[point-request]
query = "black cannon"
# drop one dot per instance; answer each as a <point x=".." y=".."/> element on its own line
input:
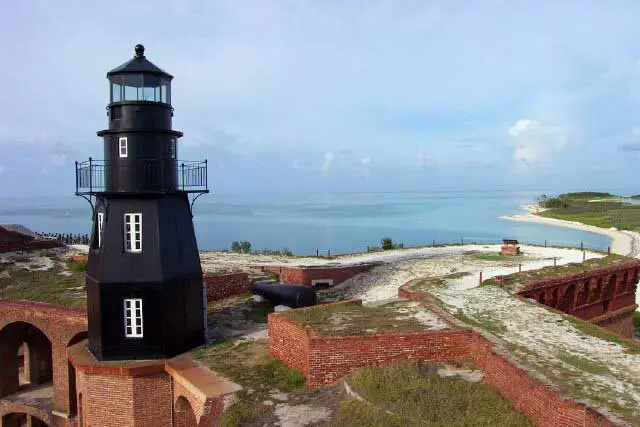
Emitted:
<point x="294" y="296"/>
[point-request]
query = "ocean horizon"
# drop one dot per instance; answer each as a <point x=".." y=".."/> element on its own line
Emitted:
<point x="336" y="222"/>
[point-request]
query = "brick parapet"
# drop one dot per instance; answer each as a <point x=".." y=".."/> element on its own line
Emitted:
<point x="226" y="285"/>
<point x="302" y="275"/>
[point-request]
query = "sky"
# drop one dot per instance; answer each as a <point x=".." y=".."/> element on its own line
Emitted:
<point x="334" y="96"/>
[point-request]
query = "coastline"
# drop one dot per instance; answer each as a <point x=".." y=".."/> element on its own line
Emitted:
<point x="623" y="242"/>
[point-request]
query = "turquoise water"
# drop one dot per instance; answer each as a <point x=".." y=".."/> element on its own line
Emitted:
<point x="339" y="222"/>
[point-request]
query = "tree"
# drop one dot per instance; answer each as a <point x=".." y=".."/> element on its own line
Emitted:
<point x="235" y="247"/>
<point x="245" y="247"/>
<point x="386" y="243"/>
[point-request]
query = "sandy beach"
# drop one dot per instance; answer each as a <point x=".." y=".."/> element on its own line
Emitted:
<point x="624" y="242"/>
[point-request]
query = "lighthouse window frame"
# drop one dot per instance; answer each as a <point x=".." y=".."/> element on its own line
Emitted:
<point x="133" y="232"/>
<point x="133" y="326"/>
<point x="123" y="147"/>
<point x="100" y="222"/>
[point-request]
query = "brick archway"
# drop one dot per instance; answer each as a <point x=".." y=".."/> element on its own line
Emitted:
<point x="183" y="415"/>
<point x="13" y="412"/>
<point x="60" y="326"/>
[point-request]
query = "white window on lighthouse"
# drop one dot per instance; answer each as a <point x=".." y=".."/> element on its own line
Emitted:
<point x="122" y="146"/>
<point x="133" y="318"/>
<point x="173" y="148"/>
<point x="100" y="227"/>
<point x="133" y="232"/>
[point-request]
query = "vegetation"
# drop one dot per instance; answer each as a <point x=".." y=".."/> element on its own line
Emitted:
<point x="351" y="318"/>
<point x="241" y="247"/>
<point x="512" y="281"/>
<point x="427" y="283"/>
<point x="77" y="266"/>
<point x="386" y="243"/>
<point x="408" y="394"/>
<point x="248" y="364"/>
<point x="599" y="209"/>
<point x="55" y="285"/>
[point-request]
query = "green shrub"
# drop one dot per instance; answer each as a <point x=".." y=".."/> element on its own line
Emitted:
<point x="386" y="243"/>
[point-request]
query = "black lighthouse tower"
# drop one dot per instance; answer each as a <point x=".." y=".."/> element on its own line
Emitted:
<point x="144" y="279"/>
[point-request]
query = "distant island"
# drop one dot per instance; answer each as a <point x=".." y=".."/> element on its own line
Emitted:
<point x="603" y="210"/>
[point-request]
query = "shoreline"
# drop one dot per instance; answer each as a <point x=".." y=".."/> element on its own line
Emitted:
<point x="624" y="242"/>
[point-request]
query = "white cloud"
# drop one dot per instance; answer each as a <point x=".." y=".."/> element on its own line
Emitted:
<point x="328" y="160"/>
<point x="535" y="142"/>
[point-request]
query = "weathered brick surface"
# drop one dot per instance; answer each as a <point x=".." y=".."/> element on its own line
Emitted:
<point x="306" y="275"/>
<point x="61" y="326"/>
<point x="225" y="285"/>
<point x="593" y="295"/>
<point x="11" y="241"/>
<point x="544" y="406"/>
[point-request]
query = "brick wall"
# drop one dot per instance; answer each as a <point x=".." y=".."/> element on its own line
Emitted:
<point x="10" y="241"/>
<point x="597" y="295"/>
<point x="61" y="326"/>
<point x="544" y="406"/>
<point x="324" y="360"/>
<point x="306" y="275"/>
<point x="225" y="285"/>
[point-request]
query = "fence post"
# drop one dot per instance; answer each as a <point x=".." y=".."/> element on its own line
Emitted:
<point x="329" y="252"/>
<point x="519" y="268"/>
<point x="433" y="243"/>
<point x="501" y="281"/>
<point x="462" y="241"/>
<point x="480" y="281"/>
<point x="317" y="252"/>
<point x="554" y="261"/>
<point x="182" y="173"/>
<point x="608" y="250"/>
<point x="584" y="255"/>
<point x="90" y="175"/>
<point x="545" y="243"/>
<point x="581" y="246"/>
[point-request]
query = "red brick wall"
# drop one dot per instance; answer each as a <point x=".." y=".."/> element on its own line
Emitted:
<point x="60" y="325"/>
<point x="593" y="295"/>
<point x="306" y="275"/>
<point x="542" y="405"/>
<point x="226" y="285"/>
<point x="11" y="241"/>
<point x="324" y="360"/>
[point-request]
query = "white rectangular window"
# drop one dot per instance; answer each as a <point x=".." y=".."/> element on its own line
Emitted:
<point x="133" y="232"/>
<point x="173" y="148"/>
<point x="122" y="145"/>
<point x="133" y="318"/>
<point x="100" y="227"/>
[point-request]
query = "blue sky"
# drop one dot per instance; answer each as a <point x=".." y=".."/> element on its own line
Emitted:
<point x="324" y="96"/>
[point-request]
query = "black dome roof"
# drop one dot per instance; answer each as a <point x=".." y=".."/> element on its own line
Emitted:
<point x="139" y="64"/>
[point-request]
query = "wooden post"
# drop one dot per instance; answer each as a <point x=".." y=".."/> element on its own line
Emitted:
<point x="581" y="246"/>
<point x="519" y="268"/>
<point x="462" y="241"/>
<point x="317" y="252"/>
<point x="480" y="282"/>
<point x="501" y="281"/>
<point x="554" y="261"/>
<point x="434" y="243"/>
<point x="608" y="250"/>
<point x="329" y="252"/>
<point x="545" y="243"/>
<point x="584" y="256"/>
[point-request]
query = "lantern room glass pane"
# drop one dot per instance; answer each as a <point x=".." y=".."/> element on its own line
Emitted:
<point x="165" y="91"/>
<point x="151" y="85"/>
<point x="116" y="88"/>
<point x="132" y="87"/>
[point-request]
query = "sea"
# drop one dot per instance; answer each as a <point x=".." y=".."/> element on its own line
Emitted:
<point x="335" y="223"/>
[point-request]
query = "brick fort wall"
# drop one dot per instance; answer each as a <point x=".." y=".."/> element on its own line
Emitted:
<point x="225" y="285"/>
<point x="306" y="275"/>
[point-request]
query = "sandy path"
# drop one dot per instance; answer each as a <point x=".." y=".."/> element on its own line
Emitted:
<point x="624" y="242"/>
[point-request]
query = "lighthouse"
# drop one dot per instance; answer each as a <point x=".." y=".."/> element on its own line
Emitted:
<point x="144" y="279"/>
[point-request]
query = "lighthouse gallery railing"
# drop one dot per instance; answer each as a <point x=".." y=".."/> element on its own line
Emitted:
<point x="153" y="175"/>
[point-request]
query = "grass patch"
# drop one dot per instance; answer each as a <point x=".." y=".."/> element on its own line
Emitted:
<point x="76" y="266"/>
<point x="242" y="411"/>
<point x="417" y="395"/>
<point x="427" y="283"/>
<point x="583" y="364"/>
<point x="630" y="346"/>
<point x="513" y="281"/>
<point x="49" y="286"/>
<point x="482" y="321"/>
<point x="351" y="318"/>
<point x="494" y="256"/>
<point x="353" y="413"/>
<point x="248" y="364"/>
<point x="608" y="212"/>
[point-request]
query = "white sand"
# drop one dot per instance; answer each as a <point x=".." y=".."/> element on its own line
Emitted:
<point x="624" y="242"/>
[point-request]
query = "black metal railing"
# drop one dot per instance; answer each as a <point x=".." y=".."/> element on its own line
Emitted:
<point x="142" y="175"/>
